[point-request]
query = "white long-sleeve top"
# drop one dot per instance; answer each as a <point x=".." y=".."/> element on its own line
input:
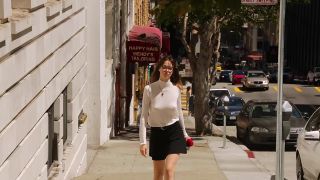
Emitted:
<point x="161" y="106"/>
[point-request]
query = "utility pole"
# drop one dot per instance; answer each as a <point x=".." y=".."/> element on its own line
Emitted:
<point x="280" y="140"/>
<point x="123" y="63"/>
<point x="116" y="60"/>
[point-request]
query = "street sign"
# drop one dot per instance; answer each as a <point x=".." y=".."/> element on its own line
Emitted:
<point x="259" y="2"/>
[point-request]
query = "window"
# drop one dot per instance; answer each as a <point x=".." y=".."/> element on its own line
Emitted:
<point x="65" y="115"/>
<point x="52" y="139"/>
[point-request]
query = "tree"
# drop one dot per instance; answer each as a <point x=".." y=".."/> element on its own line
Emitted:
<point x="202" y="20"/>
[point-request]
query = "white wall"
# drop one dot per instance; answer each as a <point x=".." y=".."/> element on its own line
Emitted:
<point x="96" y="105"/>
<point x="45" y="50"/>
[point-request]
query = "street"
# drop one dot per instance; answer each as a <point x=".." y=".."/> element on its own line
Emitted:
<point x="305" y="97"/>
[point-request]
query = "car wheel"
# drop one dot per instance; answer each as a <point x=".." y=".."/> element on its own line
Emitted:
<point x="299" y="169"/>
<point x="267" y="88"/>
<point x="243" y="87"/>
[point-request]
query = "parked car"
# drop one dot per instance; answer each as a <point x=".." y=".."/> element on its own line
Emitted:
<point x="273" y="75"/>
<point x="316" y="71"/>
<point x="237" y="76"/>
<point x="224" y="76"/>
<point x="255" y="79"/>
<point x="288" y="75"/>
<point x="219" y="92"/>
<point x="308" y="149"/>
<point x="256" y="124"/>
<point x="232" y="110"/>
<point x="215" y="94"/>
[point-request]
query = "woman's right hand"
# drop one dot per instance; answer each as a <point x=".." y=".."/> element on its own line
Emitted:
<point x="143" y="150"/>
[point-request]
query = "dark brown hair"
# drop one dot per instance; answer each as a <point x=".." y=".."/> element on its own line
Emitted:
<point x="175" y="78"/>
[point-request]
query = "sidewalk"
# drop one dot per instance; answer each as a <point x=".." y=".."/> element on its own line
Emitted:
<point x="120" y="159"/>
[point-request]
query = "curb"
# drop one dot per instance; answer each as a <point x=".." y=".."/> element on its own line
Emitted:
<point x="253" y="159"/>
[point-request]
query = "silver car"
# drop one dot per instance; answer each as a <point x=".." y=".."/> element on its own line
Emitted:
<point x="255" y="79"/>
<point x="308" y="149"/>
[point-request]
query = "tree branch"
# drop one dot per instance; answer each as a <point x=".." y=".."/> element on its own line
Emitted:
<point x="189" y="48"/>
<point x="184" y="34"/>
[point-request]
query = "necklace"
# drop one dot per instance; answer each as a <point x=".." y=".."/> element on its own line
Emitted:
<point x="161" y="90"/>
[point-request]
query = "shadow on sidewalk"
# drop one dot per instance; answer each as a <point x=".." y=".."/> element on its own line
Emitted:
<point x="131" y="133"/>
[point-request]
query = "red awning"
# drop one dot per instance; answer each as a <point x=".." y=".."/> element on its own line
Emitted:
<point x="146" y="34"/>
<point x="254" y="56"/>
<point x="144" y="44"/>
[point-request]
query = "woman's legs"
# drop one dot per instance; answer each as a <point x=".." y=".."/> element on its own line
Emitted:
<point x="158" y="169"/>
<point x="170" y="166"/>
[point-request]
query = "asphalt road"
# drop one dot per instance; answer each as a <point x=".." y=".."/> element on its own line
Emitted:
<point x="306" y="98"/>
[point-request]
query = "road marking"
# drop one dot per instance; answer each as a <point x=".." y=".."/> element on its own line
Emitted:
<point x="275" y="88"/>
<point x="237" y="89"/>
<point x="298" y="89"/>
<point x="317" y="89"/>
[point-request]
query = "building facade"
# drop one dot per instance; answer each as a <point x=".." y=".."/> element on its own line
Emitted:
<point x="56" y="80"/>
<point x="141" y="9"/>
<point x="302" y="39"/>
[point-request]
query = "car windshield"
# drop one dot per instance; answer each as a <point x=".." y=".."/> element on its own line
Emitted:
<point x="225" y="72"/>
<point x="219" y="93"/>
<point x="269" y="110"/>
<point x="238" y="72"/>
<point x="256" y="74"/>
<point x="235" y="102"/>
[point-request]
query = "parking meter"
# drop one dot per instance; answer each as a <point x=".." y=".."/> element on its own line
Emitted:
<point x="286" y="114"/>
<point x="225" y="101"/>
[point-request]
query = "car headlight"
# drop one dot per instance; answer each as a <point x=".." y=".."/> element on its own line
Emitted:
<point x="265" y="82"/>
<point x="249" y="82"/>
<point x="259" y="130"/>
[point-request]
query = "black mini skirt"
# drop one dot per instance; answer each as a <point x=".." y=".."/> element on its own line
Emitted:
<point x="166" y="140"/>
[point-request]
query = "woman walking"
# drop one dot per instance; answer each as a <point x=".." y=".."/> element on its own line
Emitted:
<point x="161" y="109"/>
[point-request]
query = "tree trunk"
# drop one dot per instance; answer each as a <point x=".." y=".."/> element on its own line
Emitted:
<point x="202" y="86"/>
<point x="200" y="67"/>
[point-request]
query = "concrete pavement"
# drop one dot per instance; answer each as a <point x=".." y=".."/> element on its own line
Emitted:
<point x="120" y="159"/>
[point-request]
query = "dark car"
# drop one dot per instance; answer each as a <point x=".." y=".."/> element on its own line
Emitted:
<point x="225" y="76"/>
<point x="257" y="122"/>
<point x="233" y="109"/>
<point x="288" y="75"/>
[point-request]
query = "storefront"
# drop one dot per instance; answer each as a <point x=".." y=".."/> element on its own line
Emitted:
<point x="143" y="51"/>
<point x="254" y="60"/>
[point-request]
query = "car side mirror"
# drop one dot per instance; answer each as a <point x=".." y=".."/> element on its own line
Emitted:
<point x="312" y="135"/>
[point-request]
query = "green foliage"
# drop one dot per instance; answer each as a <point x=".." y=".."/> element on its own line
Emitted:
<point x="202" y="11"/>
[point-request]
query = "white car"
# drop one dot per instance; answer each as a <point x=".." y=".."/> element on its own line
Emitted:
<point x="217" y="93"/>
<point x="308" y="149"/>
<point x="316" y="71"/>
<point x="255" y="79"/>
